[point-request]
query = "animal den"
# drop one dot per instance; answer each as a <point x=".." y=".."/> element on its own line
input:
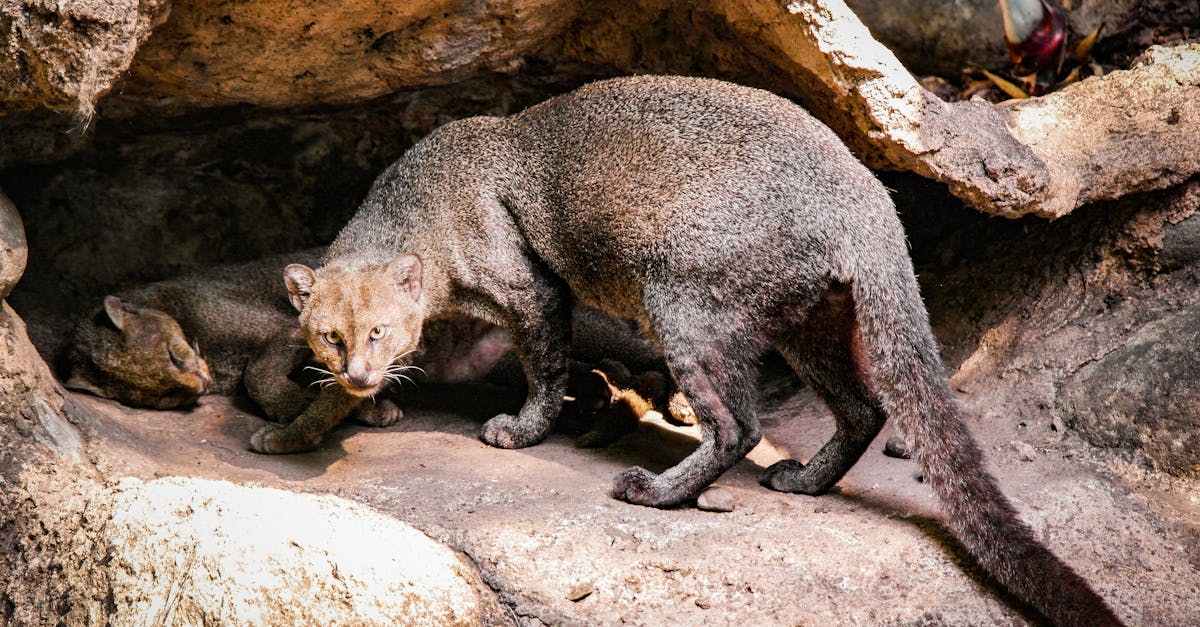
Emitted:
<point x="1052" y="238"/>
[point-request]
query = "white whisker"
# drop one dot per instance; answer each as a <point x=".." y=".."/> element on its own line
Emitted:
<point x="398" y="378"/>
<point x="406" y="368"/>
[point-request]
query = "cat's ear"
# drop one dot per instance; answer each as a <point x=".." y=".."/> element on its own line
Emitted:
<point x="299" y="280"/>
<point x="79" y="383"/>
<point x="118" y="311"/>
<point x="406" y="270"/>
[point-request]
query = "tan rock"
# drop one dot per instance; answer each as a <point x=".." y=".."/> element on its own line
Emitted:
<point x="65" y="55"/>
<point x="284" y="53"/>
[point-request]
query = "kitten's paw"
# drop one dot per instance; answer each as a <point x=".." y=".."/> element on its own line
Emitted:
<point x="787" y="475"/>
<point x="680" y="412"/>
<point x="508" y="431"/>
<point x="275" y="440"/>
<point x="638" y="486"/>
<point x="382" y="413"/>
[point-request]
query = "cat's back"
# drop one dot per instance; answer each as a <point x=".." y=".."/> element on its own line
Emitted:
<point x="230" y="307"/>
<point x="680" y="175"/>
<point x="677" y="129"/>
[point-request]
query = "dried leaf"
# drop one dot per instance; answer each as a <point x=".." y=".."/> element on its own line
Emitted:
<point x="977" y="87"/>
<point x="1083" y="49"/>
<point x="1006" y="86"/>
<point x="1073" y="77"/>
<point x="1030" y="84"/>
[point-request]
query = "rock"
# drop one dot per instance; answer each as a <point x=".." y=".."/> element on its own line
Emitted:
<point x="1181" y="242"/>
<point x="269" y="54"/>
<point x="1025" y="451"/>
<point x="897" y="447"/>
<point x="1144" y="396"/>
<point x="188" y="551"/>
<point x="13" y="250"/>
<point x="1001" y="159"/>
<point x="715" y="499"/>
<point x="65" y="55"/>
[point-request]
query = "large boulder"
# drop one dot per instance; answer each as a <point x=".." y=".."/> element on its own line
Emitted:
<point x="198" y="552"/>
<point x="182" y="551"/>
<point x="14" y="251"/>
<point x="1144" y="396"/>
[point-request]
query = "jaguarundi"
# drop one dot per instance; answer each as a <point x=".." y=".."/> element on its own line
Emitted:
<point x="726" y="221"/>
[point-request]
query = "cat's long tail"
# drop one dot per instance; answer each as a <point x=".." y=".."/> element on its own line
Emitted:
<point x="907" y="375"/>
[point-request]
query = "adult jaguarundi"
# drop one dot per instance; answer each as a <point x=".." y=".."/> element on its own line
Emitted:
<point x="726" y="220"/>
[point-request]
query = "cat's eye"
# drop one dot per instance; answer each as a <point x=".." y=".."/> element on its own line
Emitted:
<point x="333" y="337"/>
<point x="175" y="360"/>
<point x="378" y="333"/>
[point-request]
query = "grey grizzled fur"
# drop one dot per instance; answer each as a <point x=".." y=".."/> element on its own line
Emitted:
<point x="240" y="318"/>
<point x="237" y="315"/>
<point x="726" y="221"/>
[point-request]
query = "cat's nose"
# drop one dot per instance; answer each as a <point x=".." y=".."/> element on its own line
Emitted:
<point x="359" y="375"/>
<point x="360" y="380"/>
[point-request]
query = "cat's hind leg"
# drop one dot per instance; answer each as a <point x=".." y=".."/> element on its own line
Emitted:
<point x="824" y="351"/>
<point x="713" y="362"/>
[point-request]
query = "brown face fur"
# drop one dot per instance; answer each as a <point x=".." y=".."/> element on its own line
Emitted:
<point x="360" y="322"/>
<point x="139" y="356"/>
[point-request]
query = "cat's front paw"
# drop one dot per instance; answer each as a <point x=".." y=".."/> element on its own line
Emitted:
<point x="788" y="475"/>
<point x="508" y="431"/>
<point x="638" y="486"/>
<point x="382" y="413"/>
<point x="276" y="439"/>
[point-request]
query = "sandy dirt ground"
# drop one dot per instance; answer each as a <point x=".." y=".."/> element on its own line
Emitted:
<point x="558" y="550"/>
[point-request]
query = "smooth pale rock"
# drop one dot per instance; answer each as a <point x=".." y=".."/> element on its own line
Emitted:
<point x="190" y="551"/>
<point x="715" y="499"/>
<point x="13" y="250"/>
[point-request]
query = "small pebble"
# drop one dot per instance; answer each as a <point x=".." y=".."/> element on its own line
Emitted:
<point x="1025" y="451"/>
<point x="715" y="500"/>
<point x="897" y="447"/>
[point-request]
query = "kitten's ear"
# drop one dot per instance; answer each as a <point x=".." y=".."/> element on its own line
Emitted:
<point x="406" y="270"/>
<point x="118" y="311"/>
<point x="79" y="383"/>
<point x="299" y="280"/>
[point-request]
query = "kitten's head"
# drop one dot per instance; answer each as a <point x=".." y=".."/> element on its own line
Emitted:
<point x="362" y="322"/>
<point x="138" y="356"/>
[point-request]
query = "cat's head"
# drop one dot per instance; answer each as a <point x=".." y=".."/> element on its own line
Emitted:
<point x="362" y="321"/>
<point x="138" y="356"/>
